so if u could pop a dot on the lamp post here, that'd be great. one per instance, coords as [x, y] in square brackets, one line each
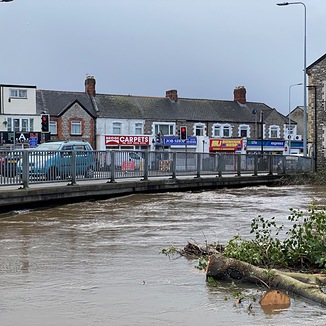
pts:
[289, 127]
[315, 123]
[262, 131]
[304, 73]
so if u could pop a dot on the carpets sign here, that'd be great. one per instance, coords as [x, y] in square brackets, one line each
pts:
[116, 140]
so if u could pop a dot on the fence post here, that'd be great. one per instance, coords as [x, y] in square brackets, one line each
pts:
[73, 168]
[238, 157]
[220, 164]
[112, 176]
[174, 165]
[283, 164]
[198, 156]
[270, 163]
[25, 174]
[255, 164]
[146, 159]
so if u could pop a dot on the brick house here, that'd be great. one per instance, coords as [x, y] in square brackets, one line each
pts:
[73, 114]
[316, 111]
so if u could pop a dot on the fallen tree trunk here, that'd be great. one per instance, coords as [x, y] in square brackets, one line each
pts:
[220, 267]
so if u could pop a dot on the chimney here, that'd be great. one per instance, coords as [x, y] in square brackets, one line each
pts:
[240, 94]
[90, 85]
[172, 95]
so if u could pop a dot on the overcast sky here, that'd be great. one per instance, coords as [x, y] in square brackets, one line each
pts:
[202, 48]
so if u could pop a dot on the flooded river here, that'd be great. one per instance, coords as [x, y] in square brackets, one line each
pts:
[100, 262]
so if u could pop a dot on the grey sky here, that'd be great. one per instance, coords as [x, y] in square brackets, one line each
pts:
[202, 48]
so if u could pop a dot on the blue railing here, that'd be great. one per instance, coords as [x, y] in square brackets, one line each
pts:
[25, 167]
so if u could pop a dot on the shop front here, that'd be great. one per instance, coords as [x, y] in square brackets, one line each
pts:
[11, 139]
[123, 142]
[232, 145]
[251, 146]
[177, 144]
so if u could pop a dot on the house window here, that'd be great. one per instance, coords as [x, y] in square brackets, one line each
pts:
[18, 93]
[227, 131]
[200, 129]
[138, 128]
[9, 124]
[31, 124]
[274, 132]
[244, 131]
[116, 128]
[24, 125]
[16, 125]
[53, 128]
[217, 130]
[76, 127]
[165, 129]
[20, 125]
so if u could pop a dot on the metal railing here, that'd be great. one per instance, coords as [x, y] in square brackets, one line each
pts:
[25, 167]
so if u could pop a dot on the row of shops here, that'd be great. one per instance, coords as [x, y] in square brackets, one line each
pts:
[170, 143]
[202, 144]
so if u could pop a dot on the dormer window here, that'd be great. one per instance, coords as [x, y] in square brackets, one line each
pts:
[18, 93]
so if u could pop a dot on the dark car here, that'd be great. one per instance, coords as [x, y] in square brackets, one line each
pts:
[8, 163]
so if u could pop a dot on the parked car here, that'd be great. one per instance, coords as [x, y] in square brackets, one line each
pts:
[54, 160]
[8, 163]
[125, 160]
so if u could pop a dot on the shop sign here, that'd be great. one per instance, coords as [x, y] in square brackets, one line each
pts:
[266, 143]
[116, 140]
[175, 141]
[225, 144]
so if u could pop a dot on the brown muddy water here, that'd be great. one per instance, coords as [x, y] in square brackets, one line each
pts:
[100, 262]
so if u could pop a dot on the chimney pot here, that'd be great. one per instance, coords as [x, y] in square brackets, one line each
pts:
[90, 85]
[240, 94]
[172, 95]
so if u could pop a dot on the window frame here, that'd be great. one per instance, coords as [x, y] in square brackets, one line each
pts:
[116, 128]
[274, 128]
[246, 128]
[73, 125]
[53, 127]
[200, 129]
[168, 126]
[139, 128]
[227, 127]
[18, 93]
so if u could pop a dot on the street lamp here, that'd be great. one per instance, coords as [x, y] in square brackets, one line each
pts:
[304, 73]
[289, 127]
[315, 123]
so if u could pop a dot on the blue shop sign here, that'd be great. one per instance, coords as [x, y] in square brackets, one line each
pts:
[175, 141]
[296, 144]
[266, 143]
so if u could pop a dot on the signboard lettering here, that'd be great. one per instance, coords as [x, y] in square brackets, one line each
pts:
[126, 140]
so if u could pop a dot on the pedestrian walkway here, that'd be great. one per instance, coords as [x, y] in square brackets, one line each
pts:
[44, 194]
